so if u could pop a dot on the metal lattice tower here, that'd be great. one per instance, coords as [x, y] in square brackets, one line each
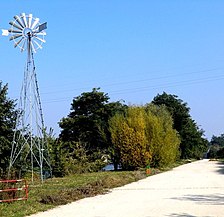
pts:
[29, 147]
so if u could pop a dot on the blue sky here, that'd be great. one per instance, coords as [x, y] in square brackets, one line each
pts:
[131, 49]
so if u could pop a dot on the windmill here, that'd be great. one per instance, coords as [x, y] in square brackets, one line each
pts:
[29, 147]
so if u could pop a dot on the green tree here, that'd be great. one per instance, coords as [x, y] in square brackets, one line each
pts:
[216, 147]
[218, 140]
[163, 139]
[87, 122]
[193, 145]
[57, 158]
[7, 123]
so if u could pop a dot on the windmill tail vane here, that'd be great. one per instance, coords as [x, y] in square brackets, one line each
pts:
[5, 32]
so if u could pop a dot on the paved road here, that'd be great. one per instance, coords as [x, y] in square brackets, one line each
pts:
[191, 190]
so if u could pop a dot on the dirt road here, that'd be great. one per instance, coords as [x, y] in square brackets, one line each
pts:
[191, 190]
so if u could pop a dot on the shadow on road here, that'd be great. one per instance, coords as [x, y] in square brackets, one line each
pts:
[220, 167]
[183, 215]
[217, 199]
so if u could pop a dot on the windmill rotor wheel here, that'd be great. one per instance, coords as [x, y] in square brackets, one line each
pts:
[23, 28]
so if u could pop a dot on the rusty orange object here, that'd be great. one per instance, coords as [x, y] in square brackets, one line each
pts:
[148, 171]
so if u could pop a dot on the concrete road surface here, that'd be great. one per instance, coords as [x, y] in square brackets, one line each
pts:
[191, 190]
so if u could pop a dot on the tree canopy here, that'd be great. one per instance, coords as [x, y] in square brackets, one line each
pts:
[129, 140]
[193, 145]
[143, 136]
[218, 140]
[216, 147]
[87, 123]
[86, 120]
[164, 139]
[7, 124]
[134, 136]
[95, 129]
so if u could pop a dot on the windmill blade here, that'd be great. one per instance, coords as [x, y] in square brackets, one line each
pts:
[30, 17]
[41, 33]
[18, 42]
[17, 18]
[38, 45]
[23, 46]
[36, 30]
[35, 23]
[32, 47]
[40, 39]
[23, 15]
[15, 36]
[15, 31]
[15, 25]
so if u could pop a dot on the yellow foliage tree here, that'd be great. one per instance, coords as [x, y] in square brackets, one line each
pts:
[144, 135]
[129, 138]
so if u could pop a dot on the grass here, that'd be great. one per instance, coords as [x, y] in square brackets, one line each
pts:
[58, 191]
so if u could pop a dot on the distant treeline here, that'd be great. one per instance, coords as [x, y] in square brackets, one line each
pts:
[97, 132]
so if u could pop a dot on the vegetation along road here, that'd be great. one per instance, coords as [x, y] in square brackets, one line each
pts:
[192, 190]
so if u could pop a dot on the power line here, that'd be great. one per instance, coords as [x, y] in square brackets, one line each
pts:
[145, 88]
[135, 81]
